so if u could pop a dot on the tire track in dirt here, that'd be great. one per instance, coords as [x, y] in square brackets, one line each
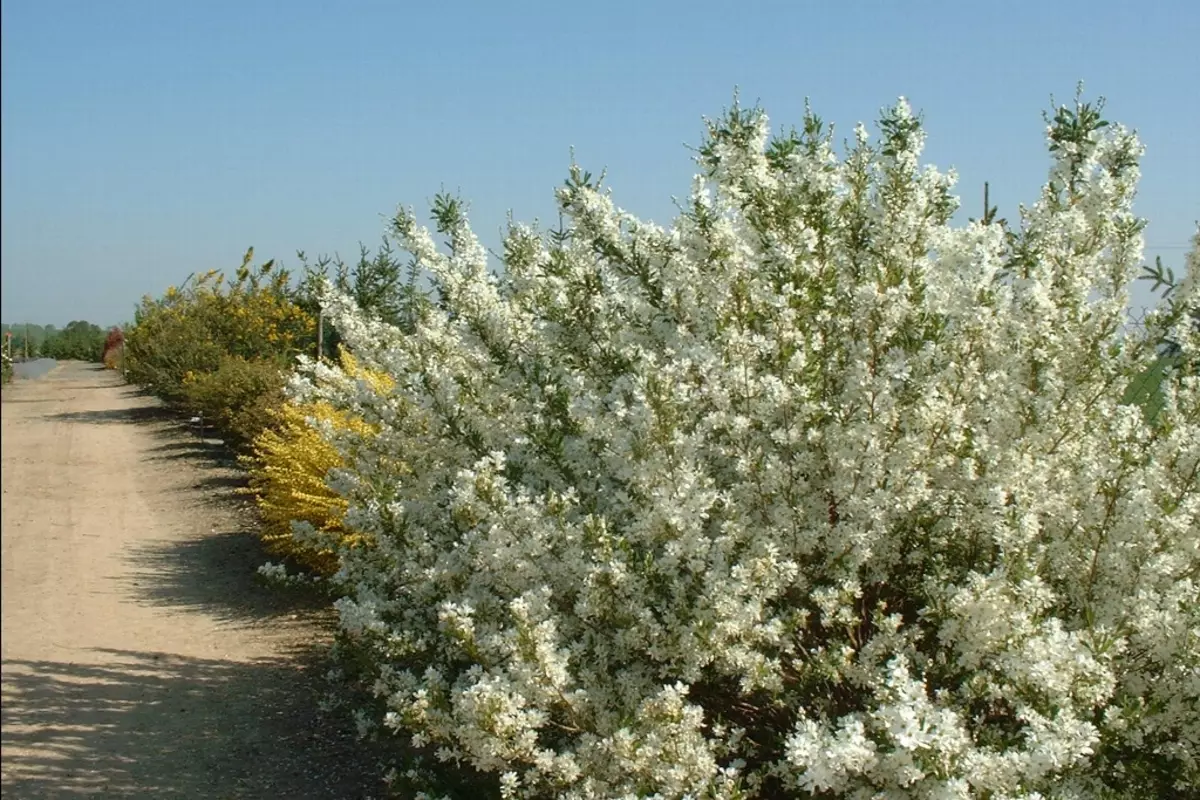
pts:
[140, 655]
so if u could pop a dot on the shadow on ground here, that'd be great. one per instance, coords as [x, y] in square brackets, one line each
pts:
[116, 415]
[211, 572]
[223, 482]
[156, 725]
[217, 574]
[184, 445]
[159, 725]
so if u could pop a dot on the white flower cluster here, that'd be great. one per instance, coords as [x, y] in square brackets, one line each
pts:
[278, 576]
[812, 492]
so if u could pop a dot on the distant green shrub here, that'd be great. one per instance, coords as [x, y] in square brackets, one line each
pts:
[237, 396]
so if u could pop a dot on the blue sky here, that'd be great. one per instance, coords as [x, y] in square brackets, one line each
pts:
[146, 140]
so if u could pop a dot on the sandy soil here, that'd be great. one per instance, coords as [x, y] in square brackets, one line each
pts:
[141, 656]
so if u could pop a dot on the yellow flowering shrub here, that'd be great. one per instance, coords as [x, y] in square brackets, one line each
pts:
[287, 470]
[221, 347]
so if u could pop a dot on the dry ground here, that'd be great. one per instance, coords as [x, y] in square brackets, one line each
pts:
[141, 656]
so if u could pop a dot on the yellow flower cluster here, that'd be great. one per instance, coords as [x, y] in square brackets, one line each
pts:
[247, 322]
[287, 469]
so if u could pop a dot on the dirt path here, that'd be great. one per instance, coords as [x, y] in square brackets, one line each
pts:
[140, 655]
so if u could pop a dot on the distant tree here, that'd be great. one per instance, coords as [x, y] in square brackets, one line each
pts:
[27, 338]
[80, 341]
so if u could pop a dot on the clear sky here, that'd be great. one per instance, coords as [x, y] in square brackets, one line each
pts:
[146, 140]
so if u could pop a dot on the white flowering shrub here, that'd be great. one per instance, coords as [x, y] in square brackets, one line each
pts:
[811, 493]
